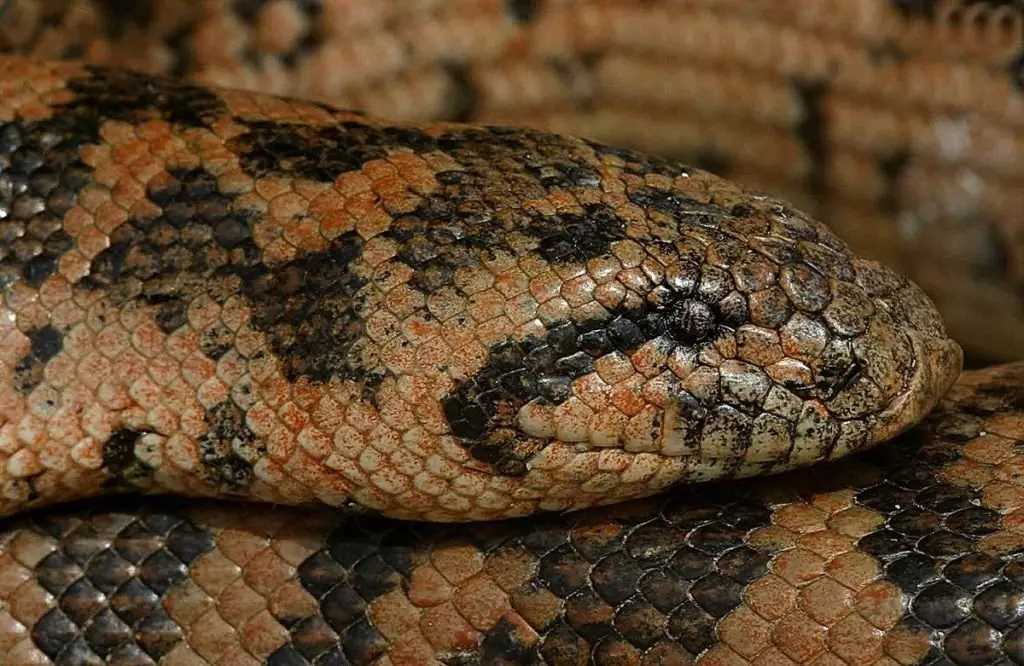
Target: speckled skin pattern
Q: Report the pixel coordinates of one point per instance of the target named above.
(912, 553)
(213, 292)
(899, 123)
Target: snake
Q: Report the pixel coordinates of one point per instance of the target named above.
(519, 332)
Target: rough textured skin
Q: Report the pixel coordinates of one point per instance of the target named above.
(899, 123)
(909, 554)
(214, 292)
(219, 293)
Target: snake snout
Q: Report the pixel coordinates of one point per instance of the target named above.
(867, 364)
(907, 348)
(744, 399)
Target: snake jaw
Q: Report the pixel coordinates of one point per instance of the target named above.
(907, 320)
(939, 364)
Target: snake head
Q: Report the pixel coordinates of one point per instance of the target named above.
(722, 335)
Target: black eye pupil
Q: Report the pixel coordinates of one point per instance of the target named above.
(691, 321)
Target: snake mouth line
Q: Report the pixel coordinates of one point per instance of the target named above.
(939, 365)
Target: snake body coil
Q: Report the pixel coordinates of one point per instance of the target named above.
(217, 293)
(278, 300)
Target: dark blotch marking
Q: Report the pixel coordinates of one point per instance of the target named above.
(469, 217)
(464, 98)
(639, 164)
(158, 634)
(578, 237)
(120, 15)
(115, 94)
(483, 409)
(564, 571)
(310, 307)
(811, 130)
(57, 572)
(437, 239)
(693, 321)
(109, 587)
(45, 343)
(187, 542)
(161, 571)
(1017, 70)
(475, 208)
(477, 205)
(647, 574)
(311, 638)
(928, 544)
(362, 643)
(189, 248)
(678, 206)
(892, 168)
(40, 170)
(216, 341)
(319, 154)
(119, 462)
(106, 632)
(311, 311)
(118, 453)
(615, 577)
(640, 623)
(40, 177)
(357, 563)
(523, 11)
(503, 644)
(915, 8)
(199, 244)
(53, 632)
(219, 448)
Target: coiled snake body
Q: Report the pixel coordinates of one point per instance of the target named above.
(212, 296)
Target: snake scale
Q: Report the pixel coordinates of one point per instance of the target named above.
(510, 396)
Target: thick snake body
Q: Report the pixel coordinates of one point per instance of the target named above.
(897, 122)
(215, 293)
(909, 554)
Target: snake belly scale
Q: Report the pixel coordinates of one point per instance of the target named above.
(220, 294)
